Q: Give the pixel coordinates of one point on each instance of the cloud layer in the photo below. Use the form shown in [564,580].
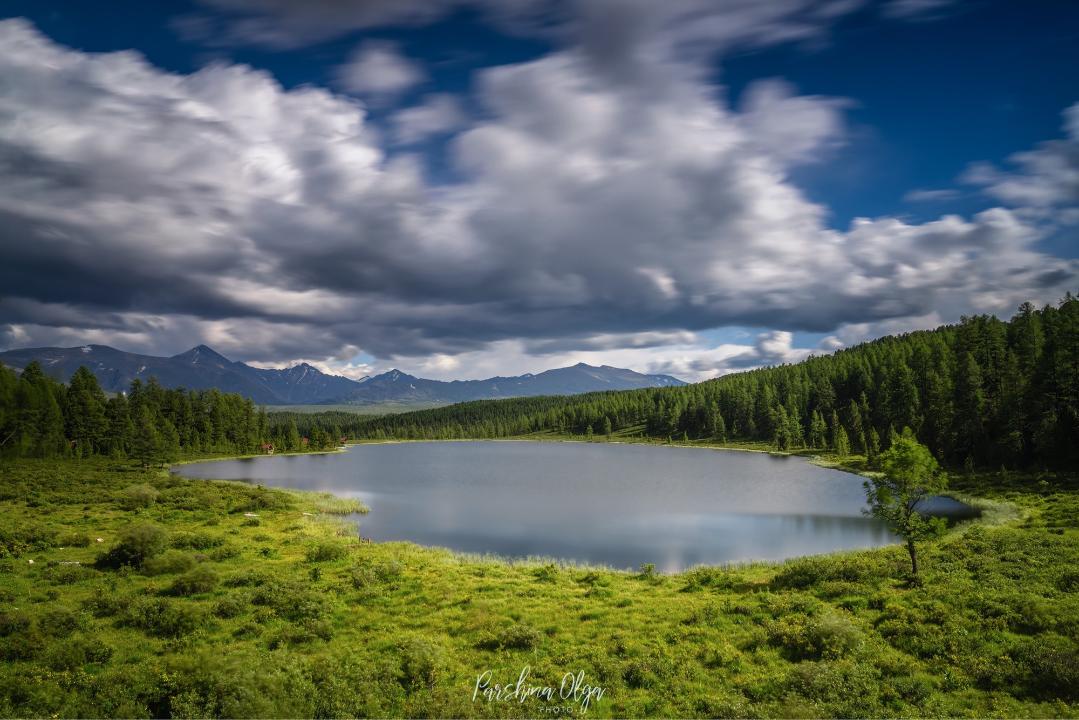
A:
[612,202]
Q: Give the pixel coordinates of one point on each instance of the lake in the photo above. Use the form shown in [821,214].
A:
[595,503]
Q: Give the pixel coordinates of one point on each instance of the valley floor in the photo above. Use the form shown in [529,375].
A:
[251,602]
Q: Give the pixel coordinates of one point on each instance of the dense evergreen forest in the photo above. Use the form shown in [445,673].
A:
[985,393]
[40,417]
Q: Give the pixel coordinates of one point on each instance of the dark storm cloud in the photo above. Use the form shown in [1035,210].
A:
[598,212]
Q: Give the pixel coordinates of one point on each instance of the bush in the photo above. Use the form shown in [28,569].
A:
[74,539]
[1053,665]
[708,577]
[828,637]
[546,573]
[291,600]
[422,662]
[230,606]
[136,497]
[196,541]
[60,622]
[161,617]
[168,563]
[75,652]
[809,571]
[13,622]
[853,687]
[516,636]
[68,574]
[137,544]
[326,551]
[368,574]
[200,580]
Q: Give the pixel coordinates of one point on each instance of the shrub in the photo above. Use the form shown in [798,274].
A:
[828,637]
[291,600]
[136,497]
[75,652]
[137,544]
[13,622]
[161,617]
[106,605]
[230,606]
[247,578]
[516,636]
[196,541]
[74,539]
[809,571]
[546,573]
[325,551]
[422,662]
[708,577]
[845,684]
[1053,665]
[60,622]
[170,562]
[371,573]
[225,552]
[195,582]
[1069,581]
[68,574]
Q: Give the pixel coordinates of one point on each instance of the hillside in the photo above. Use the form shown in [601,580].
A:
[985,392]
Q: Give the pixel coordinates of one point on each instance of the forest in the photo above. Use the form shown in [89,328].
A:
[983,393]
[43,418]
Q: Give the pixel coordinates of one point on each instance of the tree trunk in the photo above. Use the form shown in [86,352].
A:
[913,558]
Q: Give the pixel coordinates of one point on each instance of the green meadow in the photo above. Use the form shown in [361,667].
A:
[129,592]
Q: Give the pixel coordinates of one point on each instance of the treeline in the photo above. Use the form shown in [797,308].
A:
[984,392]
[40,417]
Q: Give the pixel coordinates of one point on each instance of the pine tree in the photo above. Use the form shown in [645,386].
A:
[842,443]
[146,441]
[818,431]
[86,420]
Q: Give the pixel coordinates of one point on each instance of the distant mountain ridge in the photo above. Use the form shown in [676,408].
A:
[202,368]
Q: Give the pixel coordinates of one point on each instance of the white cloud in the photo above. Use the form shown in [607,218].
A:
[438,114]
[378,68]
[603,217]
[1041,179]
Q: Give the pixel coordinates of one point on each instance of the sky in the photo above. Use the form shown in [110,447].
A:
[468,188]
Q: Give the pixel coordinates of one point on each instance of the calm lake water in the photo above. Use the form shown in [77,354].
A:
[597,503]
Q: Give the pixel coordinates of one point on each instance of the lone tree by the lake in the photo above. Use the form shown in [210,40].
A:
[909,475]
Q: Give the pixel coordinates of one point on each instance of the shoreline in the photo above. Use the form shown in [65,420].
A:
[993,513]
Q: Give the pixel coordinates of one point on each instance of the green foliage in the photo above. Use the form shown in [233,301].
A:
[137,544]
[171,562]
[139,496]
[194,582]
[326,551]
[909,476]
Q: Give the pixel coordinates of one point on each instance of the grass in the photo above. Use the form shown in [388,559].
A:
[240,601]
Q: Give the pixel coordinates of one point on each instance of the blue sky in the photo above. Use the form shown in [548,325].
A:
[906,112]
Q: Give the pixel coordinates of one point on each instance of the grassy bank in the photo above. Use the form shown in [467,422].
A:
[224,599]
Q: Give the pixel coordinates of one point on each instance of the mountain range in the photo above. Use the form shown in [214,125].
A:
[202,367]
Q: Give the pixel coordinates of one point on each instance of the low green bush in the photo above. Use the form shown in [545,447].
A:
[136,545]
[194,582]
[161,617]
[326,551]
[171,562]
[196,541]
[423,661]
[136,497]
